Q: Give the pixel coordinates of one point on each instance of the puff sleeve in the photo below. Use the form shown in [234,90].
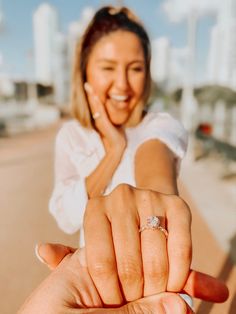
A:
[69,198]
[164,127]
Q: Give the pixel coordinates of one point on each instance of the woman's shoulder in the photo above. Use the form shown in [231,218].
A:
[73,132]
[72,127]
[164,127]
[161,120]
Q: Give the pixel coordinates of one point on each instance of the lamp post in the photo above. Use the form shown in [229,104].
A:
[188,101]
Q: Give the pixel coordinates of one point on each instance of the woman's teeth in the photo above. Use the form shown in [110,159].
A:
[119,97]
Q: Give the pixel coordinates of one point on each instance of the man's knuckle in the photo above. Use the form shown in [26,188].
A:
[138,308]
[122,188]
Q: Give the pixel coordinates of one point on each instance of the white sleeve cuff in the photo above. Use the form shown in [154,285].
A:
[67,205]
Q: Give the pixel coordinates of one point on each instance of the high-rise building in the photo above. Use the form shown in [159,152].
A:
[222,54]
[76,29]
[46,26]
[1,17]
[160,66]
[61,70]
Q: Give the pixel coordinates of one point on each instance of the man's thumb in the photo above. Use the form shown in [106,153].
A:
[163,303]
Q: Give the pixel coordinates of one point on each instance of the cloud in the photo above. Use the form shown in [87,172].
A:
[178,10]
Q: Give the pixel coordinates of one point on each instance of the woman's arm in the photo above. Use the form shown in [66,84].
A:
[155,167]
[114,143]
[98,180]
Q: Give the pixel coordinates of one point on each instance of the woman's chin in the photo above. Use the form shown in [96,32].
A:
[118,121]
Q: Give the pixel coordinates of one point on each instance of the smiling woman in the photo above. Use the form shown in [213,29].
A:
[116,167]
[117,74]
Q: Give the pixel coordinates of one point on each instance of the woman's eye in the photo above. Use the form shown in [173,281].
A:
[137,69]
[107,68]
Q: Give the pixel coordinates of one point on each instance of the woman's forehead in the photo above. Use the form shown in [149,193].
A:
[118,44]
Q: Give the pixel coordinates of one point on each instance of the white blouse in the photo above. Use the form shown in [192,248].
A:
[78,152]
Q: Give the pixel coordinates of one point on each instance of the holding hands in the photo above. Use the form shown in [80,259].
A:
[126,259]
[125,264]
[70,289]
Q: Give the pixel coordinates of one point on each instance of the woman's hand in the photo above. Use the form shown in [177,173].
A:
[126,264]
[112,137]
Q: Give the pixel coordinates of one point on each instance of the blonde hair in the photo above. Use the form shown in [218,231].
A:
[105,21]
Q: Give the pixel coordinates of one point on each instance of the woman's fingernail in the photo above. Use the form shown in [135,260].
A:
[88,87]
[36,250]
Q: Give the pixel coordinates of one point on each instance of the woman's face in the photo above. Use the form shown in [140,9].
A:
[116,71]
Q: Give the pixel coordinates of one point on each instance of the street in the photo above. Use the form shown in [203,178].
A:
[26,172]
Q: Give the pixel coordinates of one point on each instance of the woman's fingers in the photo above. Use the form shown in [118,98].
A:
[153,242]
[100,253]
[95,103]
[126,239]
[98,110]
[179,242]
[52,254]
[155,262]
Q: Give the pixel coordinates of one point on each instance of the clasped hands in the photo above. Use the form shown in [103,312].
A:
[120,267]
[126,265]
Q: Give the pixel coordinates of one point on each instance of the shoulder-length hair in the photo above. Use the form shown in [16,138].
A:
[105,21]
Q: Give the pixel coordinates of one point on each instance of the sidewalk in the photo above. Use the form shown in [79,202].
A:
[26,171]
[212,202]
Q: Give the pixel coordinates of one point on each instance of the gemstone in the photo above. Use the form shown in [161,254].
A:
[153,222]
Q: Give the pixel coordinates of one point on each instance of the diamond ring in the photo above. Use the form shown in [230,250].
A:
[96,115]
[154,223]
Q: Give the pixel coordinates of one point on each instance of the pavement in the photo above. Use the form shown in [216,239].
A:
[26,172]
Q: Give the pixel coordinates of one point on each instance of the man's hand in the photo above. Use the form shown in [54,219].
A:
[69,289]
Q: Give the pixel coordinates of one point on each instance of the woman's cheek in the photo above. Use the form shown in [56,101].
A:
[100,84]
[138,85]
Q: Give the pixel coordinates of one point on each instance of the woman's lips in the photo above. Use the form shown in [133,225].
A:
[119,105]
[120,101]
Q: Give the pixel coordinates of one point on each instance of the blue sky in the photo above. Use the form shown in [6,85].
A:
[16,40]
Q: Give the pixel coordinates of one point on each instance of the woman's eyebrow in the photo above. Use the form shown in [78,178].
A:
[106,60]
[113,61]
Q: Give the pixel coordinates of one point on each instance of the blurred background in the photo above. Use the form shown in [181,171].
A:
[194,78]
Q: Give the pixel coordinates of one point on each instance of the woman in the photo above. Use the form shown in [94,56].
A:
[116,167]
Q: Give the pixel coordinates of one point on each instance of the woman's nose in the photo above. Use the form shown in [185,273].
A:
[122,80]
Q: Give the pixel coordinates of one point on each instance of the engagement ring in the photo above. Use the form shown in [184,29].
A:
[154,223]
